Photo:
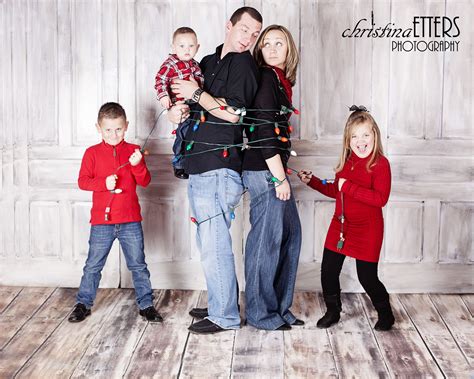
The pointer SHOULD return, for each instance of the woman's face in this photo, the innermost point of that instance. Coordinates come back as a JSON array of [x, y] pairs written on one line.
[[275, 49]]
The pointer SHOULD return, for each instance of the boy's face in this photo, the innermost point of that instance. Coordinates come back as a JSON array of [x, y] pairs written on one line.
[[242, 36], [185, 46], [112, 130]]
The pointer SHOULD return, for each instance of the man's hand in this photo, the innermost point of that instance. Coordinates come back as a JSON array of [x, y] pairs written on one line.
[[184, 88], [136, 157], [110, 182], [178, 112]]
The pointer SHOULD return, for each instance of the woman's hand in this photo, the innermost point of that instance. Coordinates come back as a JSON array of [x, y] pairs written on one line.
[[178, 112], [305, 176], [340, 183], [283, 190]]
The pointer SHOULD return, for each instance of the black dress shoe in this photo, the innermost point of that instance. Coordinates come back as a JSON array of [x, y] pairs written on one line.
[[151, 314], [298, 322], [180, 174], [199, 312], [205, 327], [284, 327], [79, 313]]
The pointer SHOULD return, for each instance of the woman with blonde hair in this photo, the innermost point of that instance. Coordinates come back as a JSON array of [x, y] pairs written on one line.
[[273, 244], [361, 189]]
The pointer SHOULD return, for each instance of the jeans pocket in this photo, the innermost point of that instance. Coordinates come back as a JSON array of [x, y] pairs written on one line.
[[234, 187], [203, 185]]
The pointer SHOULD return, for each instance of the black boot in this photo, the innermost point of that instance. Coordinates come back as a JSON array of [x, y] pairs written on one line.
[[333, 312], [386, 319]]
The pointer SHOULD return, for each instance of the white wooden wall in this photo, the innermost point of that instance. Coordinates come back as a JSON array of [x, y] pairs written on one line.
[[60, 60]]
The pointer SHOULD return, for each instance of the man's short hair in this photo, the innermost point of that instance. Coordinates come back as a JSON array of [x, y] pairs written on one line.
[[252, 12], [183, 30], [111, 110]]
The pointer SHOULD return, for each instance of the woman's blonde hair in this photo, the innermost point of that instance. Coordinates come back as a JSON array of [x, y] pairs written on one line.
[[292, 56], [357, 118]]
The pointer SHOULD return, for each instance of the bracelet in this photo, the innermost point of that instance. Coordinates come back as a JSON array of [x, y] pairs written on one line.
[[197, 95]]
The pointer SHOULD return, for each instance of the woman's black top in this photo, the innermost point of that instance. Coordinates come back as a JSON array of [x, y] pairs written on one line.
[[270, 96]]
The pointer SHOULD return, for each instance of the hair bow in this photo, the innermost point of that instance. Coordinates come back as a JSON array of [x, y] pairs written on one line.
[[360, 108]]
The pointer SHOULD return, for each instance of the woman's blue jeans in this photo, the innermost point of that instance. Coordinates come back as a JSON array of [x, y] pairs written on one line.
[[271, 253]]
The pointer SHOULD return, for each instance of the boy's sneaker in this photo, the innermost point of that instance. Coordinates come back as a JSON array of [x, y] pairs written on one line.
[[151, 314], [180, 174], [79, 313]]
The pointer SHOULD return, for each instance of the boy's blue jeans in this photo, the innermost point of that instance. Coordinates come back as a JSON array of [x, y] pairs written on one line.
[[130, 236], [272, 252], [215, 193]]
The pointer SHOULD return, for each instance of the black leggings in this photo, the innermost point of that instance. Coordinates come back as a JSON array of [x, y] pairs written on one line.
[[366, 272]]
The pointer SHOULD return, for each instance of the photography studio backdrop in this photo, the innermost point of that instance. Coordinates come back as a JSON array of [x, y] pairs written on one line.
[[62, 59]]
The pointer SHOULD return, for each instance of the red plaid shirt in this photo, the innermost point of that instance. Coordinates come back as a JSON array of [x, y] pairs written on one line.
[[173, 68]]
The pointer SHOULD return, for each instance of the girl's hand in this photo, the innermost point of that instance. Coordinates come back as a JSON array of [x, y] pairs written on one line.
[[135, 158], [305, 176], [283, 190], [340, 182], [110, 182]]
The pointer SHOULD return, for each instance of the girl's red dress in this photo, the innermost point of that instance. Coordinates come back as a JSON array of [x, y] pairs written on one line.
[[364, 193]]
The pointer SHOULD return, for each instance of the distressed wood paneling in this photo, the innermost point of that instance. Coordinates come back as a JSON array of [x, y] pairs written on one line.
[[456, 232], [62, 59], [402, 239]]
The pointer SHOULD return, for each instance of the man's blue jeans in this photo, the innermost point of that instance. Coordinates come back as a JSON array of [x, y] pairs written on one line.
[[216, 193], [130, 236], [272, 252]]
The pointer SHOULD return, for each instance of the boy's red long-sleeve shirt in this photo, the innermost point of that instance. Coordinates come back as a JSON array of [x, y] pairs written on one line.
[[364, 193], [101, 161]]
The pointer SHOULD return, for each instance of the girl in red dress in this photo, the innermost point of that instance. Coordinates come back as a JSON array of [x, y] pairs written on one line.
[[361, 188]]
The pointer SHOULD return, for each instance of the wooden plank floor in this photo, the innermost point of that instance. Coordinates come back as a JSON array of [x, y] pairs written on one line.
[[433, 337]]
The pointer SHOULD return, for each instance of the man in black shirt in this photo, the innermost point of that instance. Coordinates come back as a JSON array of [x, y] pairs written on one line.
[[214, 163]]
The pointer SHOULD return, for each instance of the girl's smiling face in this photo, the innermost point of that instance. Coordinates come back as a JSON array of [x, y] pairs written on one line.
[[362, 140]]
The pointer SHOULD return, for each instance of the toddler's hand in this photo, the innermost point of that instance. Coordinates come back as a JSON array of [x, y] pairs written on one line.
[[165, 102], [305, 176], [178, 112], [340, 182], [110, 182], [135, 158]]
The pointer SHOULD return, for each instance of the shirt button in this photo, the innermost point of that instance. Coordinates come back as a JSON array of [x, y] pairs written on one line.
[[212, 74]]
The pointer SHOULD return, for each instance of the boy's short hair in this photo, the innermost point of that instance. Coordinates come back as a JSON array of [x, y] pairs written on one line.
[[111, 110], [183, 30], [252, 12]]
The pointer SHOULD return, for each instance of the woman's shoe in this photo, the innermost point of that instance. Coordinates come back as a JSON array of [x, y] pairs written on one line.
[[386, 318]]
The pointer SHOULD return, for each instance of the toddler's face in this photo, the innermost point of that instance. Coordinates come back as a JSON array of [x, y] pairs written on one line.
[[362, 140], [112, 130], [185, 46]]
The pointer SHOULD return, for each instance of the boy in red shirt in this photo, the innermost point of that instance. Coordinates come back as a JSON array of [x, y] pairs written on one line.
[[112, 169]]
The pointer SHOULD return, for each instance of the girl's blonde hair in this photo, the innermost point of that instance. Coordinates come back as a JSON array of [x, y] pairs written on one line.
[[292, 56], [357, 118]]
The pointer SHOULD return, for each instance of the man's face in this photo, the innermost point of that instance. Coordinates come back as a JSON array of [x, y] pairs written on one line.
[[242, 36], [112, 130]]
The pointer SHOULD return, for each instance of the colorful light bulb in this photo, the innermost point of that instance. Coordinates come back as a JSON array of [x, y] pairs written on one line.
[[194, 221], [290, 129], [296, 110], [283, 139], [324, 181], [277, 129], [173, 132], [222, 107], [189, 145], [203, 118], [288, 171], [225, 153], [252, 128], [196, 126], [293, 153]]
